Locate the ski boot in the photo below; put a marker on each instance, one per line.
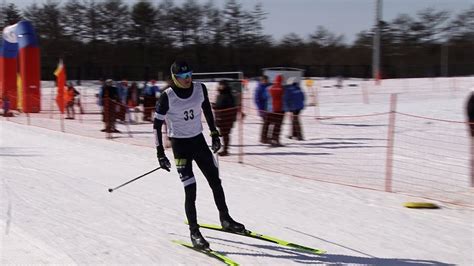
(228, 224)
(198, 240)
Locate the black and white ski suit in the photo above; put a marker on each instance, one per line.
(182, 110)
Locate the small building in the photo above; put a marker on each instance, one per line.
(286, 72)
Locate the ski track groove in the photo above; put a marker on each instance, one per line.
(86, 230)
(77, 220)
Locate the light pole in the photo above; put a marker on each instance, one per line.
(376, 46)
(444, 59)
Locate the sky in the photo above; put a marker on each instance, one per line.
(342, 17)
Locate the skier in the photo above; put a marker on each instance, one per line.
(182, 105)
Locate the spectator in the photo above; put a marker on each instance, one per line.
(470, 117)
(77, 99)
(151, 93)
(132, 101)
(71, 95)
(168, 84)
(470, 113)
(226, 113)
(109, 99)
(275, 110)
(294, 101)
(101, 93)
(6, 106)
(122, 105)
(261, 99)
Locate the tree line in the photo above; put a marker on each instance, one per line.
(110, 38)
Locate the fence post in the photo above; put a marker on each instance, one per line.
(241, 128)
(390, 142)
(52, 100)
(365, 94)
(79, 99)
(61, 121)
(472, 161)
(316, 101)
(25, 104)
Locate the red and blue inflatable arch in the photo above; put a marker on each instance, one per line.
(19, 53)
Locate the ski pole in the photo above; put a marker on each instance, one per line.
(138, 177)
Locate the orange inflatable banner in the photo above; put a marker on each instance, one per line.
(61, 97)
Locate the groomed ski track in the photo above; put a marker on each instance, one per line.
(56, 210)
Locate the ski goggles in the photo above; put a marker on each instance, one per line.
(184, 75)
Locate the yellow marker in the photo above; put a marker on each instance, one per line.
(309, 83)
(420, 205)
(19, 87)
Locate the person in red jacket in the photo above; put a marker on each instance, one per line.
(71, 94)
(276, 112)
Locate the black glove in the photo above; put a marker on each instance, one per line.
(216, 141)
(162, 159)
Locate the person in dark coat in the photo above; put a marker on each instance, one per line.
(121, 109)
(261, 101)
(109, 99)
(470, 117)
(6, 106)
(294, 101)
(226, 113)
(470, 113)
(133, 98)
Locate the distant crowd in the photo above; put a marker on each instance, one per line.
(120, 101)
(272, 101)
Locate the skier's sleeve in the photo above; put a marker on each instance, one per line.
(207, 110)
(160, 112)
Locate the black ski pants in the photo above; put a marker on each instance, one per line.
(186, 150)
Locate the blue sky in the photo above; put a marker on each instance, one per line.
(347, 17)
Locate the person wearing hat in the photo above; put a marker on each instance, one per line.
(182, 105)
(294, 101)
(276, 110)
(71, 97)
(110, 98)
(470, 122)
(226, 113)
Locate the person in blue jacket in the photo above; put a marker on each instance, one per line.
(261, 101)
(294, 102)
(151, 93)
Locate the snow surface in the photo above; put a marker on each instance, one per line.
(55, 208)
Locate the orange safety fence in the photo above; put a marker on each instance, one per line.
(430, 157)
